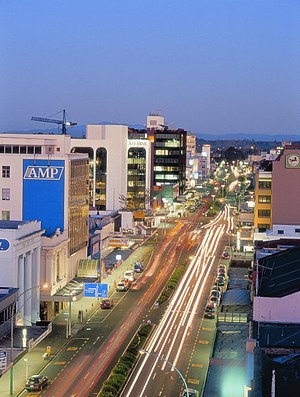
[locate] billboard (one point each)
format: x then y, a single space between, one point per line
95 290
43 193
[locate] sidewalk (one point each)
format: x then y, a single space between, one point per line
57 338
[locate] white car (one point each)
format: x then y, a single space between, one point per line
129 275
192 393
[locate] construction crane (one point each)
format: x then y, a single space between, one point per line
64 123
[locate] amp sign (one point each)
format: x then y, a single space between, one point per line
43 173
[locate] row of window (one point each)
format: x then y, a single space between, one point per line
165 168
264 184
17 149
264 213
264 199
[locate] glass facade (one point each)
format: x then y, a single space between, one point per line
101 168
136 189
90 153
78 205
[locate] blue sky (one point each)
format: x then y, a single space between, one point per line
209 66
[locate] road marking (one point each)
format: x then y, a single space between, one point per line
194 381
72 348
86 375
203 342
197 365
207 329
59 363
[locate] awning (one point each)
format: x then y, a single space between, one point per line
87 268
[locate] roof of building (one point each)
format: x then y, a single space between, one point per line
11 224
279 274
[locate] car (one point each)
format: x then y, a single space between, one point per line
210 311
190 393
216 294
220 281
138 267
123 286
214 300
216 288
222 267
107 303
36 383
225 255
221 272
129 275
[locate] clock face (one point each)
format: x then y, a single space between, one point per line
293 161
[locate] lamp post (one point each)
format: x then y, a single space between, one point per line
143 351
26 368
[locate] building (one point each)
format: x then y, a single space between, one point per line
41 180
120 166
169 158
155 121
20 263
263 198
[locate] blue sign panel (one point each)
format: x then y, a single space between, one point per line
43 193
95 290
4 244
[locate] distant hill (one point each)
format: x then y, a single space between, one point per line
79 132
240 136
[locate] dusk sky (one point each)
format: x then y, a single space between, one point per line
212 66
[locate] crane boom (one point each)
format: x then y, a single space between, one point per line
62 122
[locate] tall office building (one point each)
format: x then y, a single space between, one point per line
169 158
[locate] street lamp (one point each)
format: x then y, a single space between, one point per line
26 368
143 351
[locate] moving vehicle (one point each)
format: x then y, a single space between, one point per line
123 285
129 275
107 303
36 383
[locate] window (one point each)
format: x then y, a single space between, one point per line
297 230
262 227
5 215
264 213
264 199
5 194
280 231
264 184
5 171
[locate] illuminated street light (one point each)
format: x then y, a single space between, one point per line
143 351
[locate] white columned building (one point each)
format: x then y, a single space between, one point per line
20 264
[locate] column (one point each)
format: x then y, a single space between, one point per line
28 289
35 296
20 301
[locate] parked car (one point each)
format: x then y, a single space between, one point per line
107 303
221 272
220 280
222 267
36 383
191 393
216 288
225 255
216 294
129 275
138 267
214 300
210 311
123 285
